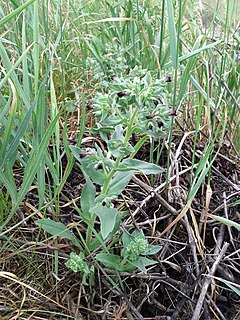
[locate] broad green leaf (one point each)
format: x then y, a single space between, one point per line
109 260
118 134
76 152
107 218
119 182
139 165
94 174
87 196
57 229
142 262
112 121
126 239
138 234
128 267
153 249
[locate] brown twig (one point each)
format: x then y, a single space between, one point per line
124 297
155 195
207 281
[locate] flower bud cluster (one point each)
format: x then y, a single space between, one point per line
136 247
76 262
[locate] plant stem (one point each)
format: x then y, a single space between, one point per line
118 159
130 126
110 175
89 231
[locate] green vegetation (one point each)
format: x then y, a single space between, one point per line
119 159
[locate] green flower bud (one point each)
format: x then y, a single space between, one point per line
136 247
76 262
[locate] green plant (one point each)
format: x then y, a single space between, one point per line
120 115
133 103
135 248
77 264
138 91
54 56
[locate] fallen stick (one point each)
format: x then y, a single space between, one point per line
207 281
